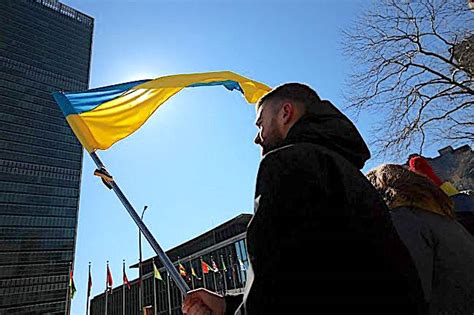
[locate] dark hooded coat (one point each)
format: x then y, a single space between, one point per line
321 239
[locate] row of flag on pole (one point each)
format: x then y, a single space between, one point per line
206 268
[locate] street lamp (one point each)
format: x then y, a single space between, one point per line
140 293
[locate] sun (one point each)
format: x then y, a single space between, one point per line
138 76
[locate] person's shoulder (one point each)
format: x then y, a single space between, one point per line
410 213
421 217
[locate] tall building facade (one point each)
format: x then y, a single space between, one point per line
45 46
222 247
456 166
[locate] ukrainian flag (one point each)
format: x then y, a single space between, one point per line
100 117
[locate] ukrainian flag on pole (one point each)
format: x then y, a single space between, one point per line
100 117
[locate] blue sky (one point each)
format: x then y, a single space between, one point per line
194 162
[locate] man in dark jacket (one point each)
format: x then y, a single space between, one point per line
321 239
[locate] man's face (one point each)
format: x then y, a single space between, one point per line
269 135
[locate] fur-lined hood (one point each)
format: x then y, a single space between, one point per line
400 187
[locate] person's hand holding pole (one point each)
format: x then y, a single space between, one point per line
203 302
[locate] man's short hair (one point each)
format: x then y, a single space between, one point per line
297 92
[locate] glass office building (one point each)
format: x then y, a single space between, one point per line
223 245
45 46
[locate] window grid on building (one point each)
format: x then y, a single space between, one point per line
45 47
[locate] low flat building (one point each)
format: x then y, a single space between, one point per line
223 246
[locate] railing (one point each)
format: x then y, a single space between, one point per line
41 75
67 11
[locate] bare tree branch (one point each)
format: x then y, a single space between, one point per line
413 66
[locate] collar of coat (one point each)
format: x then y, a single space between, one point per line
424 203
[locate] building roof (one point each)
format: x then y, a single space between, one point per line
225 231
67 11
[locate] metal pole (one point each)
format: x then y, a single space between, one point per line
203 275
215 282
224 274
123 289
233 271
140 282
155 311
107 287
182 285
192 276
214 274
68 288
87 304
169 293
106 300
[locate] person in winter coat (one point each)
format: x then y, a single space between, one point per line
443 250
463 202
321 238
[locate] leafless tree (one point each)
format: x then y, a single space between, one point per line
413 68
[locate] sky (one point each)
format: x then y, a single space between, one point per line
194 163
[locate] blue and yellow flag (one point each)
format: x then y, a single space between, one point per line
100 117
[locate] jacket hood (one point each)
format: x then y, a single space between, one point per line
400 187
325 125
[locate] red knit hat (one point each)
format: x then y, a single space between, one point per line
420 165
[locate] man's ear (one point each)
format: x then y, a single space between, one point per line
287 112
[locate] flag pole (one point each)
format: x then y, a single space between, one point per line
192 276
88 290
169 293
140 273
123 288
106 287
214 273
215 282
203 276
233 271
182 285
224 274
155 311
68 293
